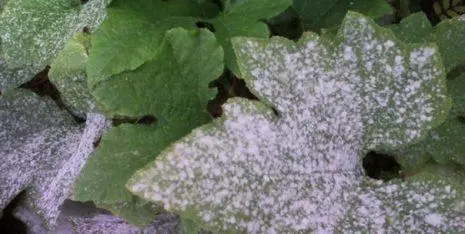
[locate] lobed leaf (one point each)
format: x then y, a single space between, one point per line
300 170
244 18
133 32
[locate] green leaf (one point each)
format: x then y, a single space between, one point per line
122 151
448 35
417 23
33 32
329 13
300 170
174 88
68 74
245 18
42 150
133 32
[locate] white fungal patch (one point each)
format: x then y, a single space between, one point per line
299 171
434 219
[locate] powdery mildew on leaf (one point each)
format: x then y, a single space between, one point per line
448 35
300 170
33 32
430 202
43 150
444 144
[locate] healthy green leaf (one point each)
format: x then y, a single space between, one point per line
33 32
68 74
245 18
134 30
43 149
318 14
300 170
174 88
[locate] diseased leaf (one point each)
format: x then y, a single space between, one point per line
80 218
68 74
33 32
111 224
429 202
448 36
13 78
300 170
134 30
173 87
446 143
245 18
318 14
42 150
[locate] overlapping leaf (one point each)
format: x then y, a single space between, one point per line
43 149
299 170
174 88
244 18
133 31
68 73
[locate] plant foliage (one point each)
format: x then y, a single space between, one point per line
287 160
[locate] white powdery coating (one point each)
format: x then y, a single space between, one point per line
43 151
33 32
298 171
